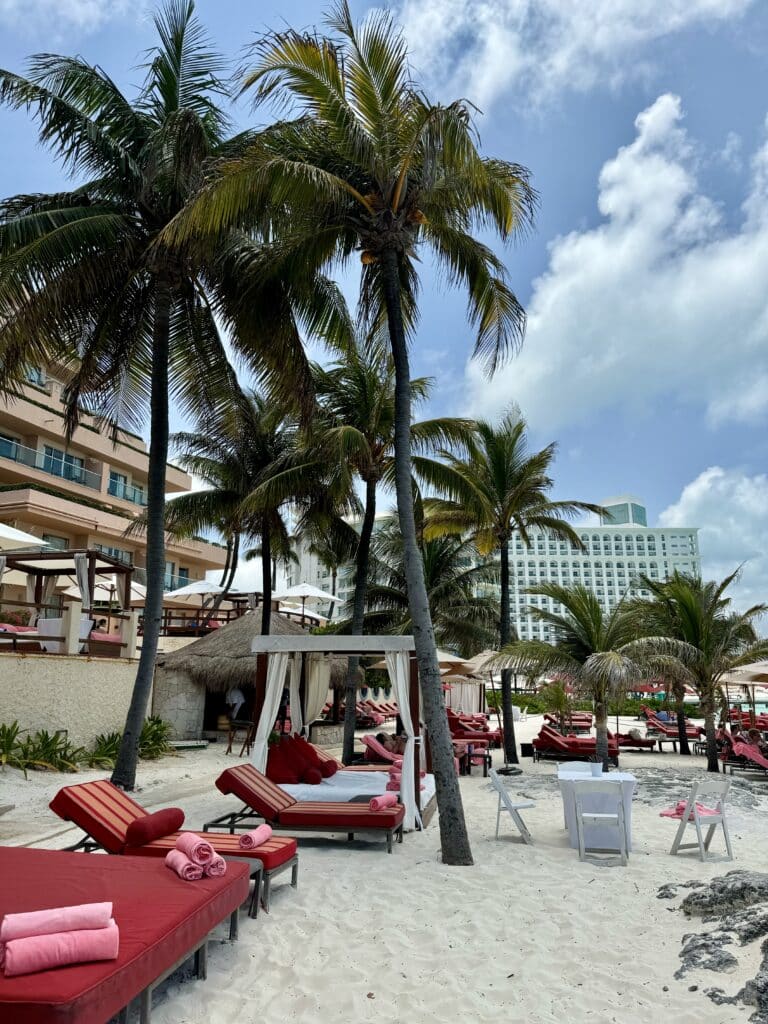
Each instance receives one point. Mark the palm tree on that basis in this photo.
(464, 616)
(357, 399)
(497, 488)
(718, 639)
(363, 161)
(86, 281)
(600, 652)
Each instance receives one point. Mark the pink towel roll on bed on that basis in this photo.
(198, 850)
(216, 868)
(395, 787)
(183, 866)
(257, 836)
(378, 803)
(679, 810)
(57, 919)
(42, 952)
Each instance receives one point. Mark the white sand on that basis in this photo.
(529, 934)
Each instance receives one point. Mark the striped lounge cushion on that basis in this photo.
(100, 809)
(276, 851)
(255, 790)
(328, 815)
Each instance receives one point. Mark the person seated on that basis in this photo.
(100, 627)
(755, 739)
(394, 744)
(662, 716)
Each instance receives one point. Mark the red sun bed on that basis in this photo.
(151, 944)
(104, 813)
(261, 798)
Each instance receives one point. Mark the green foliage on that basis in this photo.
(53, 752)
(9, 746)
(557, 700)
(104, 753)
(153, 742)
(20, 617)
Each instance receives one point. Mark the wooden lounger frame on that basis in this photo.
(247, 818)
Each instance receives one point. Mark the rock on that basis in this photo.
(706, 952)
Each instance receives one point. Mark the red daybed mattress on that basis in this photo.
(160, 918)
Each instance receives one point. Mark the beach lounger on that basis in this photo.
(262, 799)
(152, 944)
(104, 813)
(744, 757)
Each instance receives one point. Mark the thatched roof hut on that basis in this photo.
(223, 659)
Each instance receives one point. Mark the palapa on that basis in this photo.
(223, 658)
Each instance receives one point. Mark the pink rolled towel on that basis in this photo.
(57, 919)
(679, 810)
(183, 866)
(198, 850)
(256, 837)
(41, 952)
(395, 787)
(378, 803)
(216, 868)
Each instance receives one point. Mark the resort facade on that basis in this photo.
(616, 553)
(84, 493)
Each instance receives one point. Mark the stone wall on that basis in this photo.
(179, 700)
(85, 696)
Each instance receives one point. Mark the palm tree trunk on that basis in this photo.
(233, 554)
(124, 774)
(601, 732)
(362, 563)
(708, 708)
(332, 604)
(453, 830)
(682, 734)
(266, 579)
(510, 747)
(225, 571)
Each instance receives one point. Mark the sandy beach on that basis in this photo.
(529, 934)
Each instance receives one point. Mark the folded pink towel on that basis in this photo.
(378, 803)
(679, 810)
(254, 838)
(41, 952)
(57, 919)
(198, 850)
(216, 868)
(183, 866)
(395, 787)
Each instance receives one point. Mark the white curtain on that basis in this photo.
(397, 667)
(297, 718)
(30, 588)
(318, 682)
(81, 573)
(123, 590)
(2, 568)
(466, 697)
(277, 664)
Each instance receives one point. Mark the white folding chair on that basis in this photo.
(524, 714)
(583, 767)
(692, 816)
(610, 794)
(512, 806)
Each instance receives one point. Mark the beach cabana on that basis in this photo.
(282, 659)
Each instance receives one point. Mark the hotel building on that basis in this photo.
(85, 492)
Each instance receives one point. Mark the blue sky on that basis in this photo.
(646, 279)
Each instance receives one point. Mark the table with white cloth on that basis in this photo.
(598, 837)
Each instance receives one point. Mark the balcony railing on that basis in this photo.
(170, 581)
(50, 464)
(127, 492)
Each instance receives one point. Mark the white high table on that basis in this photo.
(600, 837)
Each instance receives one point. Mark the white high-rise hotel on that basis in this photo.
(615, 553)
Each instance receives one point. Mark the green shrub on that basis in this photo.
(153, 742)
(51, 752)
(9, 746)
(105, 748)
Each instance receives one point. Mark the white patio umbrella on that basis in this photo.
(11, 538)
(106, 589)
(197, 588)
(306, 592)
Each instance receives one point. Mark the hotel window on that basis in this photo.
(118, 484)
(59, 543)
(184, 577)
(119, 553)
(62, 464)
(36, 376)
(9, 447)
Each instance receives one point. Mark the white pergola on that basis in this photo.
(305, 657)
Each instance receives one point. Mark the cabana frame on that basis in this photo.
(345, 646)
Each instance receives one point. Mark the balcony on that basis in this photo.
(54, 465)
(127, 492)
(170, 580)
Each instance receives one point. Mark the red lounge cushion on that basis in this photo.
(328, 769)
(100, 809)
(328, 815)
(312, 776)
(308, 752)
(276, 851)
(255, 790)
(180, 915)
(280, 768)
(303, 759)
(154, 826)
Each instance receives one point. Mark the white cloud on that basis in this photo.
(483, 48)
(730, 154)
(659, 301)
(58, 17)
(731, 511)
